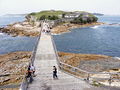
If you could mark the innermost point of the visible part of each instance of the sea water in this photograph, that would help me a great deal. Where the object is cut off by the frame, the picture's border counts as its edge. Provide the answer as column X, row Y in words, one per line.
column 99, row 39
column 12, row 44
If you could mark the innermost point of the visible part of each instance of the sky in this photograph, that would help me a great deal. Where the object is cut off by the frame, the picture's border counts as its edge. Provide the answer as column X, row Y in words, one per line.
column 111, row 7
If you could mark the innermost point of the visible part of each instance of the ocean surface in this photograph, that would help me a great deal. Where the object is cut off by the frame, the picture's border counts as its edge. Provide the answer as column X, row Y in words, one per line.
column 102, row 39
column 12, row 44
column 8, row 19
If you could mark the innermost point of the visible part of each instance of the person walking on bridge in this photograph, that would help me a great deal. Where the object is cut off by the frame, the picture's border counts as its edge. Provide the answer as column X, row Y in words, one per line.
column 32, row 68
column 55, row 73
column 29, row 74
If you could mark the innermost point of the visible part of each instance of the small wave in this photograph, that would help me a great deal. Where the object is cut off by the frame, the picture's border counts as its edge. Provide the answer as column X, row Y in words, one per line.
column 1, row 33
column 55, row 34
column 117, row 58
column 59, row 33
column 94, row 27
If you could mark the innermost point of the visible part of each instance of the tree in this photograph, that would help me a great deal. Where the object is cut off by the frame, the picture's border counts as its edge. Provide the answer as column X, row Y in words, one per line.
column 32, row 14
column 63, row 15
column 43, row 17
column 89, row 20
column 95, row 19
column 84, row 19
column 52, row 17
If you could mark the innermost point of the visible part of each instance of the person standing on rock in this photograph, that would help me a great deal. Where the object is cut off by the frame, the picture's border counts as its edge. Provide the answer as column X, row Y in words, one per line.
column 55, row 73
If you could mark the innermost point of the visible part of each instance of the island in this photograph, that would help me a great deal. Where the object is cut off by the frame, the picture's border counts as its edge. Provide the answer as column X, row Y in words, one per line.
column 60, row 22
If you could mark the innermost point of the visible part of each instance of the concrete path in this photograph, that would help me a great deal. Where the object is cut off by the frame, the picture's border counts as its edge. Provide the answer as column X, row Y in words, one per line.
column 44, row 61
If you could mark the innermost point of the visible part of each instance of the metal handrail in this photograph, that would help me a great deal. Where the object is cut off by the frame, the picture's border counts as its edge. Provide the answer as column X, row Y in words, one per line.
column 56, row 52
column 87, row 71
column 34, row 51
column 24, row 83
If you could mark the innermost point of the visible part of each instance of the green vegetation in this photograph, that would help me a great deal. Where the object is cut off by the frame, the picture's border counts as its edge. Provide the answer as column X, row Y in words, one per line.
column 32, row 14
column 83, row 19
column 51, row 15
column 43, row 17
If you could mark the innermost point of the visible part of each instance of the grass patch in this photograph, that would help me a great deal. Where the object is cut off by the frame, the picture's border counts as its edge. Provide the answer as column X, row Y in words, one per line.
column 48, row 13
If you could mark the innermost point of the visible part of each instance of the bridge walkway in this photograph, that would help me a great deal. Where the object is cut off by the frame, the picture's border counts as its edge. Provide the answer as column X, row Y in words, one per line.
column 45, row 59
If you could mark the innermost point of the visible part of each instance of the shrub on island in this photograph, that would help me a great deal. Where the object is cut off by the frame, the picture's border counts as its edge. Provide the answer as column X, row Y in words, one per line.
column 50, row 17
column 83, row 19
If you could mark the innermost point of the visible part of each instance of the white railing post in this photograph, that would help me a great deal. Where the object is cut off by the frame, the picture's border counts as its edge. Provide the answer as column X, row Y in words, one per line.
column 110, row 80
column 88, row 77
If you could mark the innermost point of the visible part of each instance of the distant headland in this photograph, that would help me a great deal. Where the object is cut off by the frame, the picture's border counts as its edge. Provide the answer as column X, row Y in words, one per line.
column 98, row 14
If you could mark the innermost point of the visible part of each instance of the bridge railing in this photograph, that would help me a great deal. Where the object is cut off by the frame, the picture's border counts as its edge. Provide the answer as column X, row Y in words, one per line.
column 25, row 83
column 34, row 51
column 85, row 75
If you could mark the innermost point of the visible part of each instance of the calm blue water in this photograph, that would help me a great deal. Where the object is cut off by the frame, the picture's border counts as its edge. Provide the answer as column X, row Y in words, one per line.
column 103, row 39
column 12, row 44
column 109, row 19
column 5, row 20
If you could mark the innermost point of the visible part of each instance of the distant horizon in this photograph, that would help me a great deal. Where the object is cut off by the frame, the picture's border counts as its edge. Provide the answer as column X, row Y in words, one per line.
column 52, row 9
column 107, row 7
column 55, row 10
column 61, row 10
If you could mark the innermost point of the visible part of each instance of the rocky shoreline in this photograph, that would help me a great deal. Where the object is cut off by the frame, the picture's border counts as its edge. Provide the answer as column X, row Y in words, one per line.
column 14, row 65
column 90, row 62
column 21, row 29
column 68, row 26
column 27, row 29
column 95, row 64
